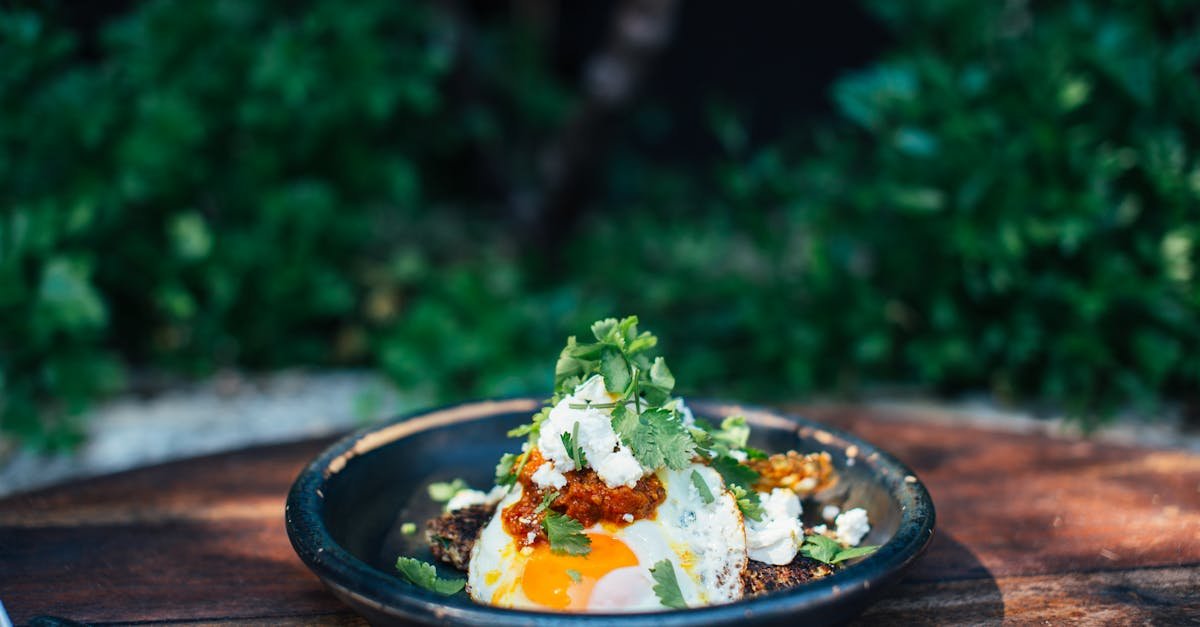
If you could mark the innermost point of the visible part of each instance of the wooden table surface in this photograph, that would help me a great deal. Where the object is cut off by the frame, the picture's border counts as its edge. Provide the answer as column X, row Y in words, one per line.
column 1031, row 529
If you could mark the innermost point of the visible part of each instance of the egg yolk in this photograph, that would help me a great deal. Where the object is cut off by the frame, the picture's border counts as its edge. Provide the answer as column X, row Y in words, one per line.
column 550, row 579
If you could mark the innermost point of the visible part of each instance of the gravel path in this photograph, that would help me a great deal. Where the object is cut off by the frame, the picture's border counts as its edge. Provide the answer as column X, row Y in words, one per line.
column 231, row 411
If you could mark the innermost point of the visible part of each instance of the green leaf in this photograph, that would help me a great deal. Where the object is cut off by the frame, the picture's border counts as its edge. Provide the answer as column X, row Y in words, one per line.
column 444, row 491
column 566, row 534
column 425, row 575
column 735, row 472
column 748, row 502
column 666, row 586
column 571, row 443
column 829, row 551
column 657, row 438
column 661, row 376
column 706, row 494
column 505, row 471
column 615, row 370
column 853, row 552
column 574, row 575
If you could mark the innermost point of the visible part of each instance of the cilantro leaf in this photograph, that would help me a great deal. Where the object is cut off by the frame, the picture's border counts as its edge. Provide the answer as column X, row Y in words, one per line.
column 442, row 492
column 666, row 586
column 575, row 575
column 425, row 575
column 735, row 472
column 566, row 534
column 853, row 552
column 706, row 494
column 547, row 500
column 657, row 438
column 748, row 502
column 615, row 370
column 571, row 443
column 828, row 551
column 734, row 432
column 505, row 471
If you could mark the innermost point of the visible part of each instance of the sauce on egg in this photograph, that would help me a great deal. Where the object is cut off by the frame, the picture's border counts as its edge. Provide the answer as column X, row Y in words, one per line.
column 585, row 498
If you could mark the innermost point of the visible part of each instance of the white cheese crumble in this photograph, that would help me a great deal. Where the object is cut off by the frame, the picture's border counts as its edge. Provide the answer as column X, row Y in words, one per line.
column 820, row 530
column 467, row 498
column 829, row 512
column 777, row 537
column 852, row 525
column 613, row 462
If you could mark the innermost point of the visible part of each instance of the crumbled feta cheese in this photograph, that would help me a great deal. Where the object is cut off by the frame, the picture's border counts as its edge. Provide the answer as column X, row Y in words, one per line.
column 467, row 498
column 829, row 512
column 530, row 537
column 605, row 453
column 627, row 518
column 852, row 525
column 689, row 420
column 776, row 538
column 820, row 530
column 546, row 476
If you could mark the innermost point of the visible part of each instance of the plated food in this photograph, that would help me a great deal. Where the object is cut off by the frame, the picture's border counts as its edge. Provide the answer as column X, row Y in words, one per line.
column 620, row 500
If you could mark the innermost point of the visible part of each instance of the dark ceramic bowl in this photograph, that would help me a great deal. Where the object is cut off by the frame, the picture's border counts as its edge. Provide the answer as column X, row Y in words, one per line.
column 345, row 512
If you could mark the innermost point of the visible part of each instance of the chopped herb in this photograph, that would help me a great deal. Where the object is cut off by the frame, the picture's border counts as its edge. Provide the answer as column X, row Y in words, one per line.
column 574, row 575
column 828, row 551
column 666, row 586
column 506, row 473
column 735, row 472
column 657, row 437
column 425, row 575
column 706, row 494
column 754, row 453
column 571, row 443
column 408, row 528
column 444, row 491
column 547, row 500
column 566, row 534
column 748, row 502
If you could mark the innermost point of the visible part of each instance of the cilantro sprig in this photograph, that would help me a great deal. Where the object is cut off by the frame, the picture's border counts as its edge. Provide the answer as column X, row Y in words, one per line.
column 565, row 534
column 706, row 494
column 666, row 586
column 424, row 574
column 828, row 551
column 571, row 443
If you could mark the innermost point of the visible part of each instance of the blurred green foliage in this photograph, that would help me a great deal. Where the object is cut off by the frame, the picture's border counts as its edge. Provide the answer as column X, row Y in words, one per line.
column 1008, row 201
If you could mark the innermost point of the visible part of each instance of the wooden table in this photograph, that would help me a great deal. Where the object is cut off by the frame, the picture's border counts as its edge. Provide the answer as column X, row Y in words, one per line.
column 1031, row 529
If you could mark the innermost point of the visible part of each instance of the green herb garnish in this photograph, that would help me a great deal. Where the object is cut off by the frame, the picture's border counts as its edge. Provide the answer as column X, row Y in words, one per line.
column 574, row 575
column 425, row 575
column 408, row 528
column 547, row 500
column 666, row 586
column 748, row 502
column 566, row 534
column 657, row 437
column 828, row 551
column 706, row 494
column 571, row 443
column 444, row 491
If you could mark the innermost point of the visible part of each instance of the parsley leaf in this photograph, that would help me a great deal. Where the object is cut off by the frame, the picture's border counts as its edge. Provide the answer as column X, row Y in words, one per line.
column 828, row 551
column 657, row 438
column 442, row 492
column 425, row 575
column 571, row 443
column 706, row 494
column 666, row 586
column 566, row 534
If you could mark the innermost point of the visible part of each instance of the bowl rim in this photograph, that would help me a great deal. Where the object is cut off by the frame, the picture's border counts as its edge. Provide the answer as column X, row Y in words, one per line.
column 351, row 578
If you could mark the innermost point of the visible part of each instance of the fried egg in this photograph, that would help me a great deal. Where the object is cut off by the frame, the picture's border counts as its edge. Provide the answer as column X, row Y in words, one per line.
column 704, row 542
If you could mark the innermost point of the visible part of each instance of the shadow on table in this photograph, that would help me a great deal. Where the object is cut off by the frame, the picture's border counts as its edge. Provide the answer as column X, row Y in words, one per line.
column 947, row 586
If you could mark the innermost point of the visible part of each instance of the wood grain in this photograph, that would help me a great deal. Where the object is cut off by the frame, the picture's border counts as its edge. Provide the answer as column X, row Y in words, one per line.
column 1030, row 530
